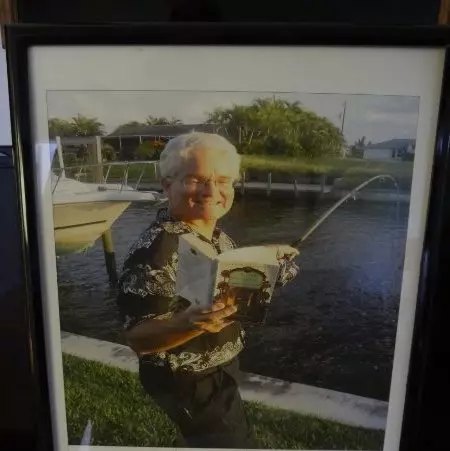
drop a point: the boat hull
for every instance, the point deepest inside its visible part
(78, 225)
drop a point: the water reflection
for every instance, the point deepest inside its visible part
(333, 327)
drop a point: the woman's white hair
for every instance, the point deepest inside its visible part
(178, 149)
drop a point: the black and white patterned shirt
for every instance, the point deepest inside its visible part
(147, 290)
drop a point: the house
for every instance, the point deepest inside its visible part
(127, 138)
(394, 149)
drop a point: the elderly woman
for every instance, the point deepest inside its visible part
(188, 358)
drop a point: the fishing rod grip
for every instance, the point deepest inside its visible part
(296, 243)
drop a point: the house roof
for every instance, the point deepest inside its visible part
(161, 130)
(393, 144)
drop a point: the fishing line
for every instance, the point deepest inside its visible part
(335, 206)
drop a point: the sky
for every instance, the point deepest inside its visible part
(376, 117)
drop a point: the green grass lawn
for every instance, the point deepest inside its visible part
(122, 415)
(268, 163)
(352, 170)
(324, 165)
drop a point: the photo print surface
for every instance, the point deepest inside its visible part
(331, 173)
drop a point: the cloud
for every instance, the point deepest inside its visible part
(381, 118)
(386, 103)
(389, 117)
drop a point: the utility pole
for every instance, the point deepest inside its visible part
(343, 118)
(342, 127)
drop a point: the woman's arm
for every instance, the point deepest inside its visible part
(159, 335)
(154, 335)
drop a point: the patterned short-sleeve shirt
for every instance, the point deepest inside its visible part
(147, 291)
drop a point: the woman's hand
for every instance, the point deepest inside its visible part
(160, 335)
(208, 320)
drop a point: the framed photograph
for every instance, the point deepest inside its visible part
(234, 233)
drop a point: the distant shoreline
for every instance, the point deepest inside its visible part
(285, 190)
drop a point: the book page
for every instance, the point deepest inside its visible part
(195, 266)
(199, 245)
(251, 254)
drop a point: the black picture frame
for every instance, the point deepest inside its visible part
(18, 426)
(427, 385)
(401, 12)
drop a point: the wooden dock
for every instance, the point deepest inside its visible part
(294, 188)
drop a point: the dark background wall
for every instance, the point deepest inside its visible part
(355, 11)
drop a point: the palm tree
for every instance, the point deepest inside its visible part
(160, 120)
(86, 126)
(59, 127)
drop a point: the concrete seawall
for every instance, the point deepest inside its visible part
(288, 189)
(327, 404)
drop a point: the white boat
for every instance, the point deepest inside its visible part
(83, 211)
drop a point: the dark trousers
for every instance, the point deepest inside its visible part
(206, 407)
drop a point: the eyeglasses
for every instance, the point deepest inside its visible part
(197, 182)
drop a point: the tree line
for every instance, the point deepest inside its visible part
(267, 126)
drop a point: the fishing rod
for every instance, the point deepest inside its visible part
(352, 193)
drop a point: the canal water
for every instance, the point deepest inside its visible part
(333, 327)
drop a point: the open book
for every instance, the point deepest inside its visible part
(248, 274)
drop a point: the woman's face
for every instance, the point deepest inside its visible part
(203, 190)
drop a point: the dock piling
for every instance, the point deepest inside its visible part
(323, 180)
(108, 244)
(295, 188)
(269, 183)
(110, 257)
(243, 184)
